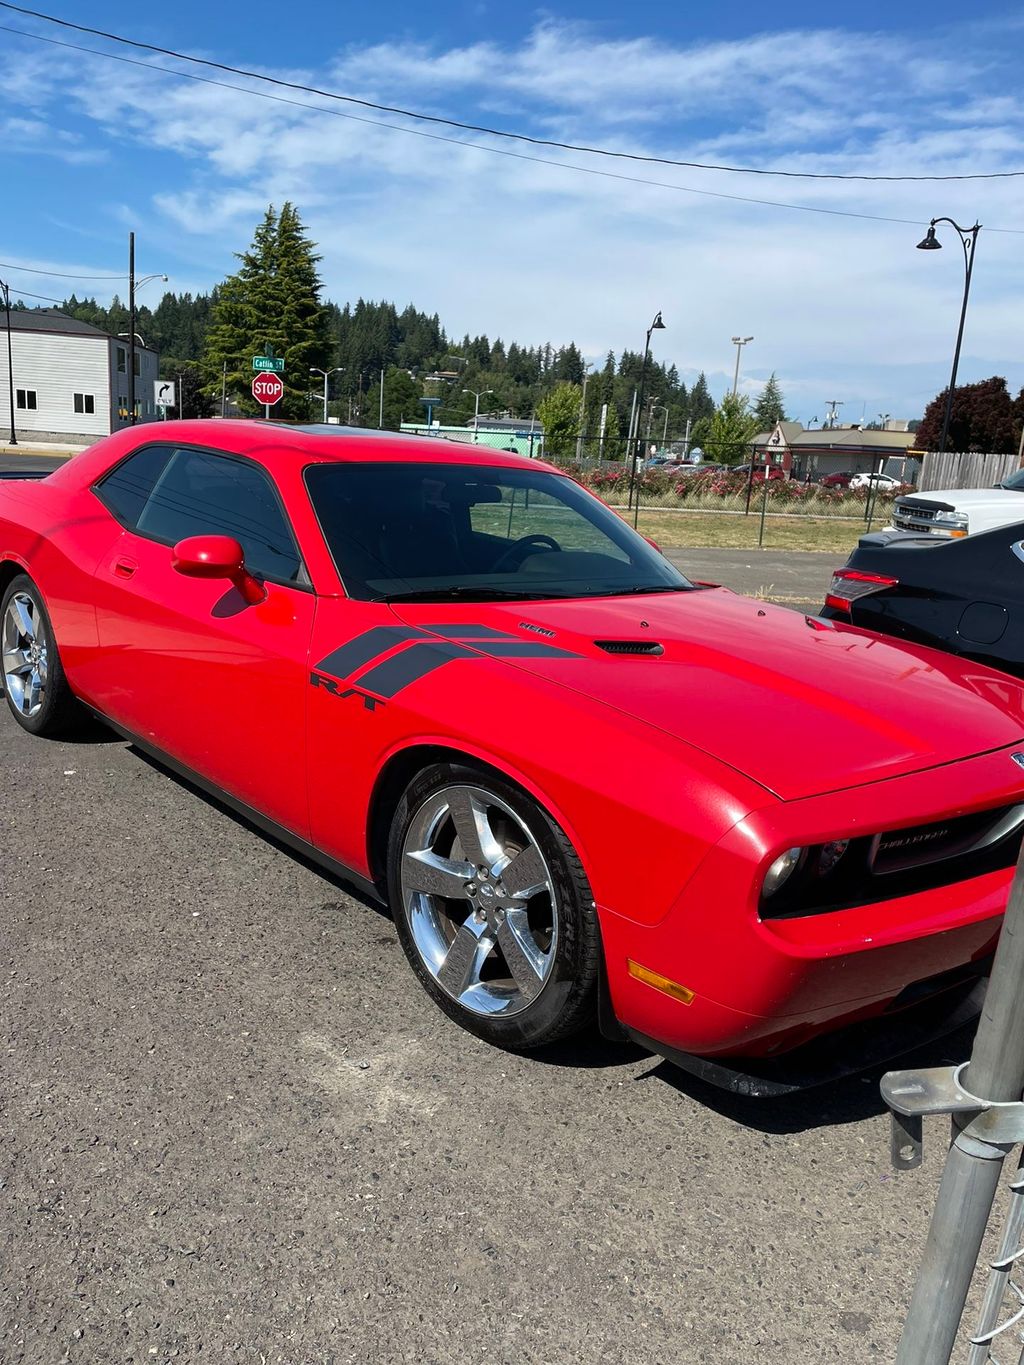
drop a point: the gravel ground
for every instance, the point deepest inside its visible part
(233, 1129)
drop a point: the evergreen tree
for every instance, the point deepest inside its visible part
(273, 300)
(702, 405)
(770, 409)
(401, 401)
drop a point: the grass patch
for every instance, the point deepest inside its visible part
(696, 530)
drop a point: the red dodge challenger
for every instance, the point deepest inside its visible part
(588, 788)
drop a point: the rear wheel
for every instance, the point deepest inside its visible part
(36, 689)
(493, 908)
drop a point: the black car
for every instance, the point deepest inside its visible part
(965, 596)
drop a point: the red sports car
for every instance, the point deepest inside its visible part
(458, 679)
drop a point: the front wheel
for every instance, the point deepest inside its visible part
(36, 689)
(493, 908)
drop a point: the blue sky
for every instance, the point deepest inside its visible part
(839, 307)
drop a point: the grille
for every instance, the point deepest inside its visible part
(647, 647)
(899, 862)
(911, 514)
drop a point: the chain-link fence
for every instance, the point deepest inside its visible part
(709, 503)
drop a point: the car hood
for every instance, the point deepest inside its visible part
(963, 499)
(800, 705)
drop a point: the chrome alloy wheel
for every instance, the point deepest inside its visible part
(479, 900)
(23, 649)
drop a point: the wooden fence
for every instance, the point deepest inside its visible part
(956, 469)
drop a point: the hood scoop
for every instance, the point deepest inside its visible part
(645, 647)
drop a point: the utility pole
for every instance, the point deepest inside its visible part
(583, 415)
(380, 417)
(10, 362)
(131, 328)
(686, 439)
(224, 390)
(832, 404)
(739, 343)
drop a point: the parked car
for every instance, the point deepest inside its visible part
(883, 483)
(841, 479)
(452, 675)
(958, 512)
(965, 596)
(774, 472)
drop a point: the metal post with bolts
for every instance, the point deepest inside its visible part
(984, 1099)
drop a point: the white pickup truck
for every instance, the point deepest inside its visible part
(957, 512)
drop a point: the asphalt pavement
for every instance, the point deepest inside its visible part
(234, 1129)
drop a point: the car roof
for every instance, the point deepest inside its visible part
(282, 448)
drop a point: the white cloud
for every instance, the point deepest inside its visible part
(533, 251)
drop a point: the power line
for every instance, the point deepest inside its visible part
(56, 274)
(481, 128)
(476, 146)
(24, 294)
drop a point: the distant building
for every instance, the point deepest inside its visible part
(70, 379)
(522, 436)
(811, 454)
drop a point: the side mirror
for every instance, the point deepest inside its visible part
(217, 557)
(653, 544)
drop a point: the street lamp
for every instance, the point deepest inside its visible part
(968, 240)
(656, 326)
(476, 410)
(660, 407)
(739, 343)
(10, 363)
(338, 369)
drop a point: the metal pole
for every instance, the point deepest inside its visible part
(664, 429)
(764, 503)
(635, 448)
(739, 343)
(972, 233)
(224, 390)
(325, 397)
(10, 361)
(380, 418)
(973, 1167)
(131, 328)
(686, 440)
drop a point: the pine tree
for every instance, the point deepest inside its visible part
(702, 405)
(770, 409)
(273, 300)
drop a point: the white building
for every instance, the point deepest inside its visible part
(70, 380)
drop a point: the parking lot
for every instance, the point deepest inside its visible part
(236, 1130)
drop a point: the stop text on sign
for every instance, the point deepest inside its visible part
(267, 389)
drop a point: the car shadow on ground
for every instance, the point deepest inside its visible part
(848, 1100)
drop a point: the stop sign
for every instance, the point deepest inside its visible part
(267, 388)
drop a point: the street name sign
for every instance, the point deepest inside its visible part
(268, 364)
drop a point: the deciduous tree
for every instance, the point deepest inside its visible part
(982, 418)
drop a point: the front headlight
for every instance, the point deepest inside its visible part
(956, 524)
(781, 870)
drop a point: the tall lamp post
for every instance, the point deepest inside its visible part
(660, 407)
(134, 284)
(476, 410)
(739, 343)
(656, 326)
(10, 362)
(338, 369)
(969, 241)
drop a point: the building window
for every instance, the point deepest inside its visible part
(122, 360)
(27, 399)
(84, 402)
(137, 364)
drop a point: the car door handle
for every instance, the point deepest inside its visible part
(124, 568)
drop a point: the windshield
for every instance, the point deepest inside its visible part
(1015, 482)
(437, 532)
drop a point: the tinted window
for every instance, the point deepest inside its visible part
(203, 494)
(438, 530)
(1014, 482)
(125, 490)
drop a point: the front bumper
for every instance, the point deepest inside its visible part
(763, 988)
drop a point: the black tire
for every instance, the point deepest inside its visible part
(59, 713)
(566, 1002)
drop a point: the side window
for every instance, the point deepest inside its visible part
(122, 360)
(203, 494)
(124, 491)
